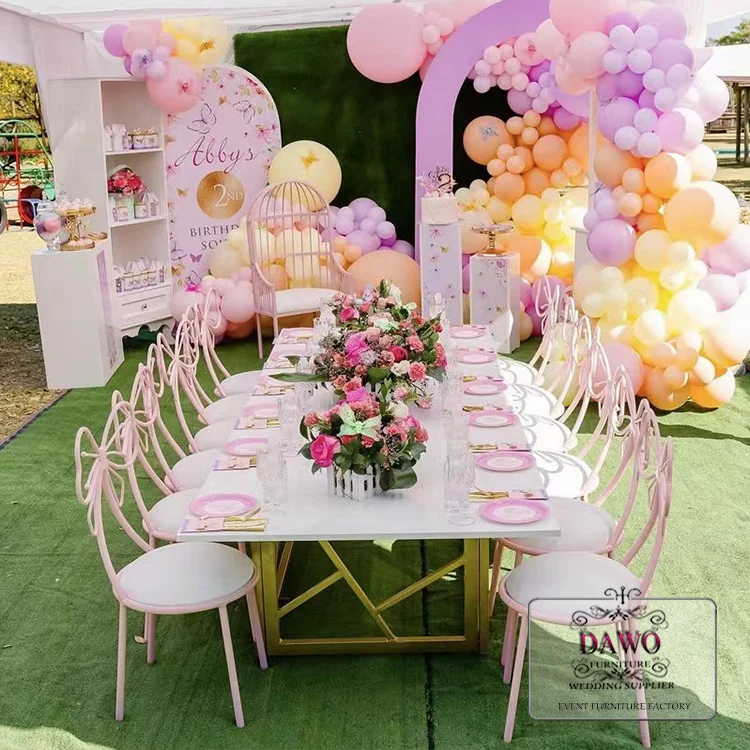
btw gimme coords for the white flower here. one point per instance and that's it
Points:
(395, 292)
(400, 368)
(400, 409)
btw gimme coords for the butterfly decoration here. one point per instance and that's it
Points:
(205, 122)
(266, 132)
(196, 258)
(172, 120)
(193, 278)
(244, 90)
(175, 252)
(222, 100)
(177, 269)
(246, 110)
(171, 170)
(182, 192)
(353, 426)
(434, 233)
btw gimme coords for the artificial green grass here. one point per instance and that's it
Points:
(58, 622)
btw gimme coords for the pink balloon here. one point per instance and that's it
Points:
(139, 35)
(733, 255)
(568, 83)
(182, 299)
(527, 49)
(667, 20)
(537, 70)
(612, 242)
(680, 130)
(178, 90)
(618, 113)
(578, 104)
(527, 300)
(360, 208)
(606, 88)
(724, 290)
(519, 101)
(565, 120)
(620, 355)
(629, 84)
(550, 42)
(237, 305)
(585, 54)
(385, 42)
(377, 214)
(575, 17)
(671, 52)
(466, 279)
(461, 10)
(166, 40)
(112, 39)
(404, 247)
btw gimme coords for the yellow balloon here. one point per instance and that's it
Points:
(661, 354)
(650, 327)
(642, 295)
(674, 377)
(224, 261)
(499, 210)
(289, 242)
(652, 250)
(303, 271)
(265, 245)
(528, 213)
(704, 214)
(594, 304)
(473, 242)
(715, 393)
(690, 309)
(526, 326)
(187, 50)
(703, 162)
(309, 162)
(703, 372)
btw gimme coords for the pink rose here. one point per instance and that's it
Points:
(398, 352)
(353, 384)
(400, 393)
(339, 382)
(412, 423)
(367, 442)
(323, 449)
(311, 419)
(356, 346)
(349, 313)
(387, 358)
(415, 344)
(421, 435)
(417, 371)
(358, 394)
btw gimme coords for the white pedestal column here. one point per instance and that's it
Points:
(440, 268)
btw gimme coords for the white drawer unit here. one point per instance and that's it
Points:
(146, 307)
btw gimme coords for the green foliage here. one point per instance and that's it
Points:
(19, 96)
(739, 35)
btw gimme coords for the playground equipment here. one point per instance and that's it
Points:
(25, 171)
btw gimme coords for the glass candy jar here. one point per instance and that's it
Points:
(48, 224)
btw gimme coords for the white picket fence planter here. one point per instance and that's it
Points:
(354, 486)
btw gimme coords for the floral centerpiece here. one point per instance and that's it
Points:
(125, 188)
(365, 436)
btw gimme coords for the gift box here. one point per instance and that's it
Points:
(116, 138)
(122, 207)
(495, 297)
(440, 268)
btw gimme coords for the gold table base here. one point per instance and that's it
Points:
(274, 563)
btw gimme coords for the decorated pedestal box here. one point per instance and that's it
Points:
(496, 297)
(440, 268)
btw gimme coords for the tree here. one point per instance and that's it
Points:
(19, 96)
(740, 35)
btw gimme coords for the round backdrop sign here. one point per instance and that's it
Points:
(217, 156)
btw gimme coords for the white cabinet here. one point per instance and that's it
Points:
(78, 110)
(81, 342)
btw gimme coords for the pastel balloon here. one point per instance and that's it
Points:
(666, 174)
(616, 114)
(586, 53)
(536, 181)
(680, 130)
(713, 96)
(714, 394)
(661, 395)
(650, 327)
(519, 101)
(550, 42)
(703, 163)
(177, 90)
(182, 300)
(385, 42)
(237, 305)
(509, 187)
(667, 20)
(612, 242)
(723, 289)
(550, 152)
(704, 214)
(732, 256)
(574, 17)
(611, 163)
(310, 162)
(564, 119)
(628, 83)
(113, 38)
(690, 309)
(526, 326)
(620, 355)
(397, 267)
(138, 36)
(224, 262)
(671, 52)
(528, 213)
(483, 136)
(535, 256)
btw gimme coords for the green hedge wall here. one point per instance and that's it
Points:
(369, 126)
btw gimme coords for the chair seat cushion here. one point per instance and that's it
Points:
(513, 371)
(191, 576)
(564, 475)
(529, 399)
(167, 515)
(226, 408)
(289, 301)
(190, 472)
(214, 435)
(545, 434)
(571, 577)
(241, 383)
(583, 528)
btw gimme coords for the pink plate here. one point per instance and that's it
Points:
(505, 461)
(514, 511)
(492, 418)
(223, 504)
(261, 412)
(484, 387)
(476, 357)
(467, 332)
(290, 350)
(244, 446)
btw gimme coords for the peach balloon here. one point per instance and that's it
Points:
(578, 145)
(550, 152)
(703, 162)
(536, 180)
(352, 253)
(704, 214)
(611, 164)
(646, 222)
(499, 210)
(535, 256)
(525, 153)
(402, 270)
(509, 187)
(703, 372)
(276, 276)
(473, 242)
(634, 181)
(483, 136)
(666, 174)
(727, 341)
(715, 393)
(651, 204)
(659, 393)
(240, 330)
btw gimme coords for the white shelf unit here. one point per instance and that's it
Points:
(79, 109)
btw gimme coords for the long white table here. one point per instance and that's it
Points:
(311, 514)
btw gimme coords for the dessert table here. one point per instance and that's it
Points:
(311, 514)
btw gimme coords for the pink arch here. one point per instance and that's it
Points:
(448, 71)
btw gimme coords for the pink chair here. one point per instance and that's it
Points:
(580, 575)
(171, 580)
(313, 272)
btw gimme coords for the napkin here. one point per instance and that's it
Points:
(234, 463)
(254, 423)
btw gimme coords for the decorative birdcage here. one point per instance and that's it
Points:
(293, 266)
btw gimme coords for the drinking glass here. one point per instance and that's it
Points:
(458, 479)
(289, 417)
(272, 475)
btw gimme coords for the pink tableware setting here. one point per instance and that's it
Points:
(472, 403)
(235, 463)
(475, 356)
(257, 423)
(288, 350)
(279, 363)
(484, 386)
(269, 387)
(261, 411)
(514, 511)
(505, 461)
(242, 447)
(294, 336)
(223, 504)
(468, 332)
(493, 418)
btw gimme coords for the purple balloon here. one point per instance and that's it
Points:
(127, 63)
(537, 70)
(647, 100)
(578, 104)
(565, 120)
(724, 290)
(519, 101)
(386, 230)
(343, 224)
(733, 255)
(680, 130)
(606, 88)
(376, 214)
(361, 207)
(629, 84)
(612, 242)
(667, 20)
(619, 113)
(671, 52)
(621, 18)
(368, 225)
(536, 321)
(591, 219)
(388, 241)
(404, 247)
(113, 39)
(466, 279)
(364, 241)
